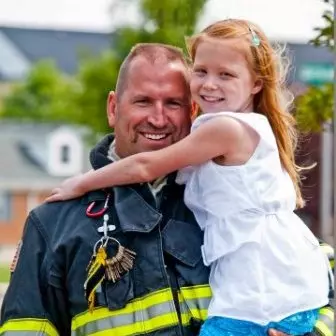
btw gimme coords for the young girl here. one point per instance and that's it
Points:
(242, 185)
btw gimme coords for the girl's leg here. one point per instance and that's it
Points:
(222, 326)
(297, 324)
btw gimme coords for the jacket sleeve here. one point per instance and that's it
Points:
(31, 305)
(325, 324)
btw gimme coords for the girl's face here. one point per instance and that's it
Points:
(221, 79)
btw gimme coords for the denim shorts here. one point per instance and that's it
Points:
(297, 324)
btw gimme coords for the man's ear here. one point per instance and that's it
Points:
(111, 108)
(258, 85)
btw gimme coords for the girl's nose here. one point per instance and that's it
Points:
(210, 85)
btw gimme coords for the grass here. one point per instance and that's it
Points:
(4, 273)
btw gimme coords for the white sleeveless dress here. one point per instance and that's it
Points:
(265, 263)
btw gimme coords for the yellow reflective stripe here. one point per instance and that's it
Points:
(40, 326)
(197, 308)
(195, 313)
(133, 306)
(185, 318)
(327, 311)
(325, 323)
(322, 329)
(194, 301)
(332, 263)
(158, 322)
(193, 292)
(201, 314)
(146, 314)
(328, 250)
(144, 318)
(151, 312)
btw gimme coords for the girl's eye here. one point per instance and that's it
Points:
(199, 71)
(226, 74)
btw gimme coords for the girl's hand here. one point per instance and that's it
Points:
(70, 188)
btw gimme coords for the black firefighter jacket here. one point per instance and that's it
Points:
(166, 292)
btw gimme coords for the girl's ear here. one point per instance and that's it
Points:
(258, 85)
(194, 110)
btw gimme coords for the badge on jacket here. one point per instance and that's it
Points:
(16, 257)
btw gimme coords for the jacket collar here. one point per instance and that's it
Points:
(99, 154)
(133, 213)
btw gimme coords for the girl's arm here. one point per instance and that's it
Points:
(214, 138)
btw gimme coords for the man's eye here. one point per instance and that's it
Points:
(142, 102)
(174, 104)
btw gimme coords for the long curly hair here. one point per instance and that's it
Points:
(270, 64)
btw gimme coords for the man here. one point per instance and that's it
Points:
(159, 285)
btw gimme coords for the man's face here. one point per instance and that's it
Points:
(154, 109)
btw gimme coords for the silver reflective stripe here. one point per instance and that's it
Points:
(201, 303)
(154, 311)
(196, 300)
(197, 309)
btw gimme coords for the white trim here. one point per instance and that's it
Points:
(64, 137)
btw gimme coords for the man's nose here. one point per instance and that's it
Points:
(159, 117)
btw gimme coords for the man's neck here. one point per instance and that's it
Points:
(155, 185)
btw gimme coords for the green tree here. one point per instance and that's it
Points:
(95, 78)
(45, 95)
(325, 34)
(315, 106)
(48, 95)
(165, 21)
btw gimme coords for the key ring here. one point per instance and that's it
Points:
(103, 243)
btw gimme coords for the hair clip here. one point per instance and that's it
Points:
(255, 38)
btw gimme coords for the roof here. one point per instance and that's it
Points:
(21, 47)
(64, 47)
(19, 169)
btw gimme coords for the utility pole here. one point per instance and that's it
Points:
(327, 182)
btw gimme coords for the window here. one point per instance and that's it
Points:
(5, 206)
(65, 154)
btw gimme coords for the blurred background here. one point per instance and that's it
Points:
(59, 59)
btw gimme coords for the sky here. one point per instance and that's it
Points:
(287, 20)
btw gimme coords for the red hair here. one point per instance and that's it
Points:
(274, 99)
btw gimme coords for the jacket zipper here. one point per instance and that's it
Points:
(173, 287)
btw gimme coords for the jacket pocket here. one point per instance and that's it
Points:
(183, 241)
(118, 294)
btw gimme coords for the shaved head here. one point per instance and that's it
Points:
(153, 53)
(152, 98)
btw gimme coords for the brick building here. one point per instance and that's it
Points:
(34, 158)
